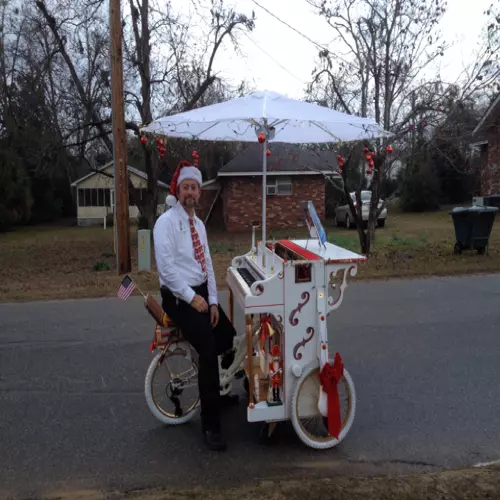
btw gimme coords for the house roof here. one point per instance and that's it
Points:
(285, 159)
(132, 170)
(492, 113)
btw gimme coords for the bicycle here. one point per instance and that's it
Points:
(172, 347)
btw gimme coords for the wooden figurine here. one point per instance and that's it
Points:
(275, 371)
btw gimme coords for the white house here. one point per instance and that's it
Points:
(96, 194)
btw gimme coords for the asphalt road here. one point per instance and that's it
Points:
(424, 355)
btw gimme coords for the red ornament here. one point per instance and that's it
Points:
(268, 153)
(365, 150)
(262, 138)
(371, 163)
(389, 149)
(196, 157)
(368, 157)
(341, 165)
(160, 147)
(372, 154)
(144, 139)
(369, 171)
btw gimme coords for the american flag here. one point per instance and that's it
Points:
(126, 288)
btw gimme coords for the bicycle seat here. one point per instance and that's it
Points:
(157, 312)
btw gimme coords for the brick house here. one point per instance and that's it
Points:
(487, 137)
(234, 199)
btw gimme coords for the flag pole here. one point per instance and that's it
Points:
(140, 291)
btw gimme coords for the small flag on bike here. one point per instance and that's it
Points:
(126, 288)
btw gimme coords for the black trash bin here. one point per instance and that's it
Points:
(473, 227)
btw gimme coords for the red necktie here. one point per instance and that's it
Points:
(198, 248)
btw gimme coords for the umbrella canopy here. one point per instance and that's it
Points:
(277, 117)
(293, 122)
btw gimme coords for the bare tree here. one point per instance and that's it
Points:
(159, 67)
(382, 49)
(168, 76)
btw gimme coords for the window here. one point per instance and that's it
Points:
(279, 185)
(101, 197)
(97, 197)
(366, 196)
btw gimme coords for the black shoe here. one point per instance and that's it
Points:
(214, 441)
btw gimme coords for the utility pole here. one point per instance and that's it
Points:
(119, 140)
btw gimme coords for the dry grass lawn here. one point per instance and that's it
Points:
(72, 262)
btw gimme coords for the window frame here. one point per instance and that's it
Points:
(278, 182)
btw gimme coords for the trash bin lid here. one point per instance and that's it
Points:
(473, 209)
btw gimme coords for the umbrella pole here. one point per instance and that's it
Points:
(264, 199)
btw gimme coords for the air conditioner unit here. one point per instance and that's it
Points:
(272, 190)
(478, 201)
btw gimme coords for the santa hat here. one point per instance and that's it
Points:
(185, 170)
(275, 351)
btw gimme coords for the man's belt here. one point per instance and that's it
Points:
(163, 288)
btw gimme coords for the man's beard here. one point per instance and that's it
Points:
(190, 202)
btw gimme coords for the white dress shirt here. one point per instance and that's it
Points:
(177, 266)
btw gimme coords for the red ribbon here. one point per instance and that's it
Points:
(265, 326)
(329, 378)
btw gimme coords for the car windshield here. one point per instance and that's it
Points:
(365, 196)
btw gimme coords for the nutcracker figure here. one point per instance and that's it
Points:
(275, 371)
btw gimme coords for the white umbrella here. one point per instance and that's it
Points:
(279, 118)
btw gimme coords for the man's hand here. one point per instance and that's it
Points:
(214, 315)
(199, 303)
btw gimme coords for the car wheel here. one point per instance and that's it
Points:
(381, 222)
(335, 221)
(347, 222)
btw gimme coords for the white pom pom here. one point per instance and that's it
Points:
(171, 200)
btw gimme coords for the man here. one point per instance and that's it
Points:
(189, 292)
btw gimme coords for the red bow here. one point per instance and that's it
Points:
(329, 378)
(265, 329)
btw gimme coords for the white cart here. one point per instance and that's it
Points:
(287, 289)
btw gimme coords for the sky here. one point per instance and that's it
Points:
(279, 59)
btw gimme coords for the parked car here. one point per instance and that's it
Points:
(343, 215)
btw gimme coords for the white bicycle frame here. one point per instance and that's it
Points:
(227, 375)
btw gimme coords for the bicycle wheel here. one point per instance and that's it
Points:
(175, 400)
(305, 409)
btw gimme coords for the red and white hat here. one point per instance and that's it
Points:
(185, 170)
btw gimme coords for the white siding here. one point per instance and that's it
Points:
(90, 214)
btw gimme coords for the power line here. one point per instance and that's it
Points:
(291, 27)
(318, 45)
(273, 59)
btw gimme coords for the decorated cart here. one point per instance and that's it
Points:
(286, 289)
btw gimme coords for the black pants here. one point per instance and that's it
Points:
(209, 343)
